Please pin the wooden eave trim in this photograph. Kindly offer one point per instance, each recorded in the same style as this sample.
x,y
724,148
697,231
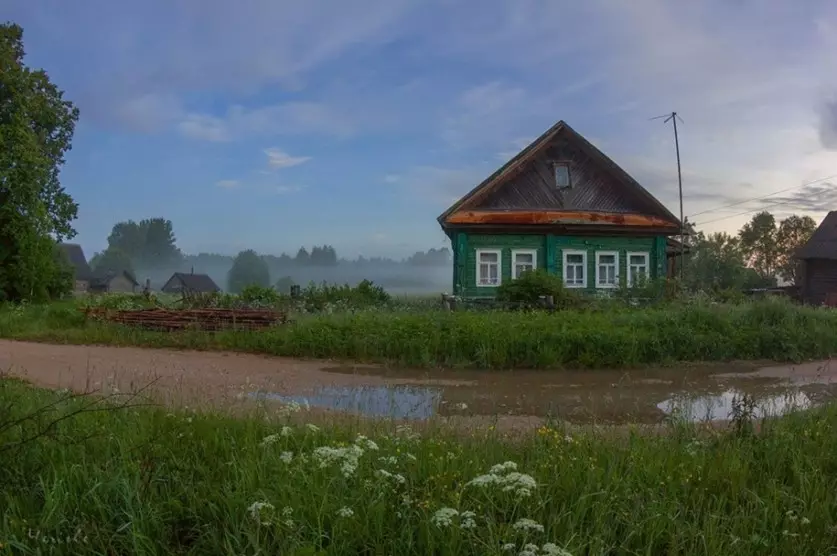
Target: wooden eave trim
x,y
546,217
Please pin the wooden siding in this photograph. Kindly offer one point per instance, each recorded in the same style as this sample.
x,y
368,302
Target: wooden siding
x,y
549,256
818,281
121,284
593,188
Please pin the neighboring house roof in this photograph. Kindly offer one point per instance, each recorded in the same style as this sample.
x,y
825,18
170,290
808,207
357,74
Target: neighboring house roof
x,y
574,206
75,255
197,283
823,244
104,278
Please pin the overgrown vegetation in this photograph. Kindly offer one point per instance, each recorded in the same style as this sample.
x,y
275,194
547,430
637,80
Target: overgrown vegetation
x,y
148,481
365,324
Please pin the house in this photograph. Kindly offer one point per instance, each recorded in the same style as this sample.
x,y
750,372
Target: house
x,y
82,275
562,205
817,278
113,282
189,283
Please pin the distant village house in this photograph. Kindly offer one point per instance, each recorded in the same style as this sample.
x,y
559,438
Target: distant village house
x,y
113,282
564,206
82,275
817,278
190,284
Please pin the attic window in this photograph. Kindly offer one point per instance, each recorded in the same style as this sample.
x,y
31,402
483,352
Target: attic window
x,y
562,175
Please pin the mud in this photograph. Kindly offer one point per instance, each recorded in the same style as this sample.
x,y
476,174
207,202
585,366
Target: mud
x,y
648,396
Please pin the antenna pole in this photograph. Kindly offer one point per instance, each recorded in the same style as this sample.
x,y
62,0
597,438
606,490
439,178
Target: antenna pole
x,y
673,117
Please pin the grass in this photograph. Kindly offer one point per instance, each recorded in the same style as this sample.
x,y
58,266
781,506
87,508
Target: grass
x,y
140,480
610,336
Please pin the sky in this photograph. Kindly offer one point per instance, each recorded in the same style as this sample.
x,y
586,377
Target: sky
x,y
269,124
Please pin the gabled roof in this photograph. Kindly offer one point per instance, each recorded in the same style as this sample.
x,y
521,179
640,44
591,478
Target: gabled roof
x,y
76,258
197,283
519,161
823,244
103,278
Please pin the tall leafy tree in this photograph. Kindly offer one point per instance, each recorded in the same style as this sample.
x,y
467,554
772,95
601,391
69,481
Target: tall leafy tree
x,y
248,269
36,130
149,243
794,231
758,239
111,260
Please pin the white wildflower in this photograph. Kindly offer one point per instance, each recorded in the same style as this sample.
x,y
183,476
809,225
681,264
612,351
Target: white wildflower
x,y
519,483
461,406
508,547
312,427
444,517
552,549
406,500
501,468
467,520
346,457
261,512
410,457
286,431
529,550
365,443
287,511
526,525
345,512
286,457
389,460
398,478
270,439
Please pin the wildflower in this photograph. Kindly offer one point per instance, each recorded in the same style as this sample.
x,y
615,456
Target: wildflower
x,y
286,457
461,406
444,517
501,468
551,549
390,460
261,512
365,443
467,520
508,547
270,439
345,512
347,458
410,457
519,483
398,478
287,431
312,427
526,525
529,550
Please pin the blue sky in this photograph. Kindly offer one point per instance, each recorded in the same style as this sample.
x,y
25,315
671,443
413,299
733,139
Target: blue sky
x,y
268,124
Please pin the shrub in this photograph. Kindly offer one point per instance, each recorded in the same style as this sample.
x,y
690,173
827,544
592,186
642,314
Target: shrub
x,y
531,286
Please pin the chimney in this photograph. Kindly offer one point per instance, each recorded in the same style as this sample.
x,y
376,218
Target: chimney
x,y
193,270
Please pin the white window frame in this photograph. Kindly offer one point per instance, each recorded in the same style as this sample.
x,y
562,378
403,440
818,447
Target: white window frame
x,y
499,253
615,255
564,255
628,264
516,252
562,164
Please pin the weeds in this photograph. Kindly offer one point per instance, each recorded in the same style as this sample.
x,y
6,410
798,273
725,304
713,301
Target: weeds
x,y
145,481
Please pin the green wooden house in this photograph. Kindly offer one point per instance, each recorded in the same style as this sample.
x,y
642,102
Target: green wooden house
x,y
563,205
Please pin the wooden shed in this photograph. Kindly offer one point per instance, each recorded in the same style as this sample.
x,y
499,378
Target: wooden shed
x,y
818,265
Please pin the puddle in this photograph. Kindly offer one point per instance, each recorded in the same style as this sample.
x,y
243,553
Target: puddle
x,y
695,393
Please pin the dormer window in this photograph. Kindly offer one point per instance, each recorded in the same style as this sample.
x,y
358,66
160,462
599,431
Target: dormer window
x,y
562,175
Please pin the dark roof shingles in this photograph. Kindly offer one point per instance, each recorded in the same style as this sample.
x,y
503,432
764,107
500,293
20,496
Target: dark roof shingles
x,y
75,255
199,283
823,244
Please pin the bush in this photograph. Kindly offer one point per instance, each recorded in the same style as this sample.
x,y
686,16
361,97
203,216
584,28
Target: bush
x,y
531,286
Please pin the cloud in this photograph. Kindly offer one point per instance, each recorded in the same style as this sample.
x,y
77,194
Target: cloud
x,y
277,158
228,184
288,189
441,187
292,118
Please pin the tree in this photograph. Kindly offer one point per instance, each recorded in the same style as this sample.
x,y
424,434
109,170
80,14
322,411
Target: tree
x,y
149,243
794,231
36,129
716,263
759,246
111,260
302,257
248,269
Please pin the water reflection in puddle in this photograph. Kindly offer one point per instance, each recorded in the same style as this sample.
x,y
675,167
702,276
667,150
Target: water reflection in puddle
x,y
720,407
396,402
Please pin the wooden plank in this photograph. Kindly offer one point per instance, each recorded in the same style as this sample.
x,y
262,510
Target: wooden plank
x,y
557,217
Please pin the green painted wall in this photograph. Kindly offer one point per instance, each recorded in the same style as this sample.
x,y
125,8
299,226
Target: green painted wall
x,y
550,256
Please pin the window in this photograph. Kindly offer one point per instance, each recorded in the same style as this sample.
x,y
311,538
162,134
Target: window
x,y
607,269
575,269
488,267
523,260
637,267
562,174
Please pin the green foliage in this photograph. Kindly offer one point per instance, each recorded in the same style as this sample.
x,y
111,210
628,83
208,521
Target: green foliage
x,y
530,286
109,478
148,244
259,296
113,260
284,285
794,232
248,269
36,128
328,297
611,336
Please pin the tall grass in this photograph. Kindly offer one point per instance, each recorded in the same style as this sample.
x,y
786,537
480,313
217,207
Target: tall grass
x,y
144,481
614,336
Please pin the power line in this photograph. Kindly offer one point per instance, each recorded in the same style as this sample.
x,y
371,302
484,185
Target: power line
x,y
764,197
765,207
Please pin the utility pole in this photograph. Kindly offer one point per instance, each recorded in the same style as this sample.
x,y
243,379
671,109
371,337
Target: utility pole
x,y
673,117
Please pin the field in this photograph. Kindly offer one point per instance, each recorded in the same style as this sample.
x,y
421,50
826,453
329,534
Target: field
x,y
368,326
85,475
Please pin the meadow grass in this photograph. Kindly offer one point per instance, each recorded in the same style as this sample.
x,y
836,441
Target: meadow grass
x,y
608,337
147,480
